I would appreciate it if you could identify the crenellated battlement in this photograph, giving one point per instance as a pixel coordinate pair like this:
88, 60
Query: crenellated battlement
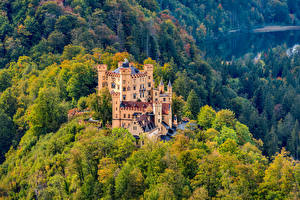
133, 94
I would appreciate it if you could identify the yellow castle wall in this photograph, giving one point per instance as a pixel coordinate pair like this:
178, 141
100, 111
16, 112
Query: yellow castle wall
128, 87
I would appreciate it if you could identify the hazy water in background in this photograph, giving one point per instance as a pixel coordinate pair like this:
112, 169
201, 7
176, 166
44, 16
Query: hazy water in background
238, 44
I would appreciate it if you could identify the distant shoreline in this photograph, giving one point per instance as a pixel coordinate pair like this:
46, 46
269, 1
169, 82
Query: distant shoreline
267, 29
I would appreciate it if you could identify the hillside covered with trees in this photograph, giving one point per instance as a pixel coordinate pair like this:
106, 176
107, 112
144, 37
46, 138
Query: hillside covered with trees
49, 50
221, 160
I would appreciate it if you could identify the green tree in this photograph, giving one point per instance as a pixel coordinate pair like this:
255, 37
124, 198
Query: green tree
5, 79
101, 105
71, 51
82, 82
57, 41
271, 142
206, 117
129, 183
9, 102
243, 133
82, 103
193, 104
177, 106
7, 134
224, 118
226, 133
279, 180
47, 113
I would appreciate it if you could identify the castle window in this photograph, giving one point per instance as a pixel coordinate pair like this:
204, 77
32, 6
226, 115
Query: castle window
124, 115
149, 77
155, 93
124, 88
124, 97
164, 99
113, 85
128, 115
149, 92
134, 96
155, 99
124, 81
158, 120
103, 77
134, 87
128, 89
149, 84
134, 128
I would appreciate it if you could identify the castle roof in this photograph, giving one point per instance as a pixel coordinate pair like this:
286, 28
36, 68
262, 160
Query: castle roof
132, 69
161, 82
169, 84
133, 104
127, 65
146, 121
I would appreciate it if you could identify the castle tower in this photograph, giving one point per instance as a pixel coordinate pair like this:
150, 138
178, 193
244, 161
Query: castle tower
161, 87
175, 121
170, 101
148, 68
157, 110
116, 113
169, 87
102, 69
125, 83
169, 91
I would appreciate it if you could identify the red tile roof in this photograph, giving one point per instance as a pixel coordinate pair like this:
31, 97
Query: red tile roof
133, 104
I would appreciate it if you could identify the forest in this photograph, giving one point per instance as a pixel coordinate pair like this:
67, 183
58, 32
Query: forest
244, 145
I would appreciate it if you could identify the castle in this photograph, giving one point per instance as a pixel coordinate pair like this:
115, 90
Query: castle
136, 104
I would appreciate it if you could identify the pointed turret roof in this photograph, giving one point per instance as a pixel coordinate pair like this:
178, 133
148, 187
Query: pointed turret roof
161, 82
169, 84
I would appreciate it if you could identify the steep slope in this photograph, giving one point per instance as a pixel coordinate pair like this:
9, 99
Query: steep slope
220, 160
